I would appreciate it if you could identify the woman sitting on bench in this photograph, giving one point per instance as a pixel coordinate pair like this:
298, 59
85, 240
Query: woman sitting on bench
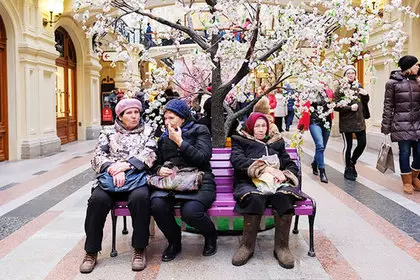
264, 175
123, 157
185, 145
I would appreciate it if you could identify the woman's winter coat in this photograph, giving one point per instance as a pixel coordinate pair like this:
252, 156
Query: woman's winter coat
116, 143
401, 114
351, 121
245, 151
195, 151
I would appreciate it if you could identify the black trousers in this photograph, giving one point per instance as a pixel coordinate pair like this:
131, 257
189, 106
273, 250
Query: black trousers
255, 204
279, 122
100, 203
348, 144
192, 212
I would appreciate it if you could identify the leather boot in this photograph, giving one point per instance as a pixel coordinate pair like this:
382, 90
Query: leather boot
416, 180
88, 263
281, 241
138, 262
314, 168
171, 251
348, 174
323, 175
249, 237
353, 168
210, 246
407, 180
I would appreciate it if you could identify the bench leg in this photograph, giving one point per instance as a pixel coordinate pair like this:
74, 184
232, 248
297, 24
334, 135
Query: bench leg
295, 228
311, 218
125, 231
114, 252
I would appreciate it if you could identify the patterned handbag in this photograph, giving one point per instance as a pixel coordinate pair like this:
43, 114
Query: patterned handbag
187, 179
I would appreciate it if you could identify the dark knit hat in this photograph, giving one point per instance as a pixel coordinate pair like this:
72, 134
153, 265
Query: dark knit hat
406, 62
250, 122
179, 107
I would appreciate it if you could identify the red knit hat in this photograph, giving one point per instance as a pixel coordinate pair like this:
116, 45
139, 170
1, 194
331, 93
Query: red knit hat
250, 122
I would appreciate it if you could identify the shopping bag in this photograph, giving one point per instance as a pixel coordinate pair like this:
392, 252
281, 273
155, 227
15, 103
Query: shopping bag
385, 158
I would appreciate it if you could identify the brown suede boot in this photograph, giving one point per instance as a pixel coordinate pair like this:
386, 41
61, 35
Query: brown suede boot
249, 237
89, 262
139, 260
281, 241
416, 180
407, 183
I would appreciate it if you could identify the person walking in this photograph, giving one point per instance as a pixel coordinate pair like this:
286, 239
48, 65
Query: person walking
401, 119
318, 123
290, 106
352, 118
280, 112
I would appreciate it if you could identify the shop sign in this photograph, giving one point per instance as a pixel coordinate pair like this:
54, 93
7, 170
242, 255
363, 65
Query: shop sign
107, 115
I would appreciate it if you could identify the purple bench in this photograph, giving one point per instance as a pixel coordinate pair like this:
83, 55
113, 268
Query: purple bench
224, 203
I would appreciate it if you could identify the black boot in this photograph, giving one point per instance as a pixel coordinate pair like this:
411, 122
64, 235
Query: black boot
353, 169
210, 246
348, 174
314, 168
171, 251
322, 175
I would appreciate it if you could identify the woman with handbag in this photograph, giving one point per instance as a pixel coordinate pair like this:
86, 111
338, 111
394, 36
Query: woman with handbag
185, 146
264, 174
123, 157
352, 104
401, 119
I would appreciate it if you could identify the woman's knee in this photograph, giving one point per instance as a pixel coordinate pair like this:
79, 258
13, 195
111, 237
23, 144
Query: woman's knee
140, 195
192, 210
100, 199
159, 205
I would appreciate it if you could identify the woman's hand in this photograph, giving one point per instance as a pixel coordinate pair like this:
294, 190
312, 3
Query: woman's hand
277, 173
165, 172
175, 134
118, 167
362, 91
119, 179
354, 107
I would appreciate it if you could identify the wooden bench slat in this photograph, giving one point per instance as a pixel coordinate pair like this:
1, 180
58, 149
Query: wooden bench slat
224, 189
220, 157
220, 164
223, 172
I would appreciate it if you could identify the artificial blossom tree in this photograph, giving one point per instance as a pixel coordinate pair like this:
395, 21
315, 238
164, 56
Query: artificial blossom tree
336, 32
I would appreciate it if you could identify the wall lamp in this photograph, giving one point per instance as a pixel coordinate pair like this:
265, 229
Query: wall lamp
53, 19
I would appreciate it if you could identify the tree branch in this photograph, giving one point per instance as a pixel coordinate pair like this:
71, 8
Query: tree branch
244, 70
232, 117
190, 32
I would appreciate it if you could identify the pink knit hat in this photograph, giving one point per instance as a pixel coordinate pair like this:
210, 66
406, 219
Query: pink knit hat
125, 104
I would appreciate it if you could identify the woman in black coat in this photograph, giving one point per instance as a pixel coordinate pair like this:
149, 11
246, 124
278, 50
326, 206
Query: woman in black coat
352, 119
401, 119
184, 144
247, 150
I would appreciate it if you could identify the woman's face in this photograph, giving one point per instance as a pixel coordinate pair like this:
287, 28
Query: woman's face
413, 70
260, 129
130, 118
351, 75
172, 119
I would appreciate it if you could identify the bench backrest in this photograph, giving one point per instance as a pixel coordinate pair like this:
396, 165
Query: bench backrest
223, 170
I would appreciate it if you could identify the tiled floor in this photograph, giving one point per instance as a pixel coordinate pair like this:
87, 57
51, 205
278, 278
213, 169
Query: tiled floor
368, 229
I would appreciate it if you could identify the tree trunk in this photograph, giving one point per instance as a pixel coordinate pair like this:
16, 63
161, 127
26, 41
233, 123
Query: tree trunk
217, 111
